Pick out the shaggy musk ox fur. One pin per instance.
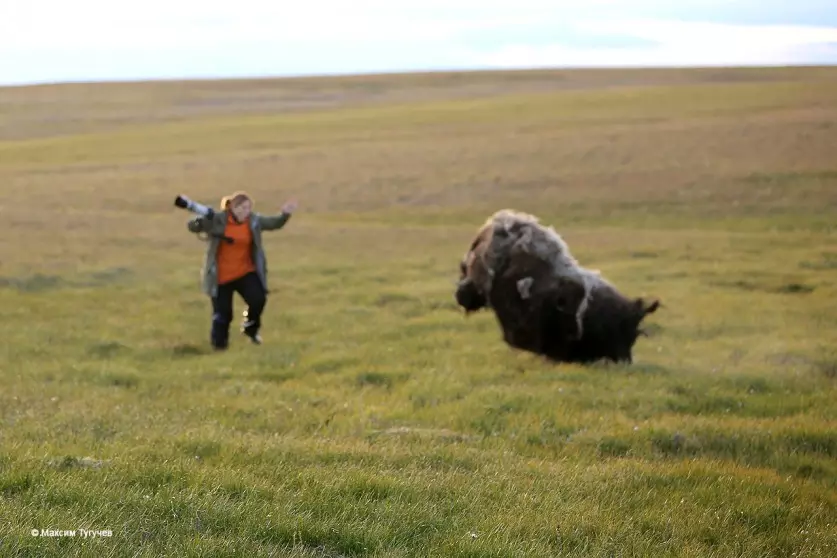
(544, 301)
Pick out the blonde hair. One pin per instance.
(235, 198)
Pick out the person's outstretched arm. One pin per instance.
(275, 222)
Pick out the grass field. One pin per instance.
(376, 419)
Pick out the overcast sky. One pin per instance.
(80, 40)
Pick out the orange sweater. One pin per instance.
(235, 260)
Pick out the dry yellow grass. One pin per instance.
(376, 420)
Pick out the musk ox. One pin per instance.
(545, 302)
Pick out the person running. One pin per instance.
(235, 262)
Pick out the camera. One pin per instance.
(183, 202)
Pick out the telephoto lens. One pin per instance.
(183, 202)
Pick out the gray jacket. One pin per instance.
(214, 226)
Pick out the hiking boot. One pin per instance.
(247, 329)
(255, 338)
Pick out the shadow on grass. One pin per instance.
(803, 453)
(107, 349)
(827, 367)
(379, 379)
(40, 282)
(186, 350)
(828, 261)
(623, 368)
(751, 286)
(127, 381)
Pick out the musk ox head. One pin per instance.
(474, 284)
(544, 301)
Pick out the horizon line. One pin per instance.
(406, 73)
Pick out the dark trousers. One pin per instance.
(252, 291)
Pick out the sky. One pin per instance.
(47, 41)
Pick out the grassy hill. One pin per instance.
(376, 420)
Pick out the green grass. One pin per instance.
(376, 419)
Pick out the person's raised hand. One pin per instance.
(289, 206)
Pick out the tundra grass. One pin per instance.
(376, 419)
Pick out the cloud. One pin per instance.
(56, 40)
(703, 33)
(110, 30)
(676, 43)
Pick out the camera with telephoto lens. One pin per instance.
(183, 202)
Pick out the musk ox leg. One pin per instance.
(557, 330)
(555, 304)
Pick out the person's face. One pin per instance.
(242, 210)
